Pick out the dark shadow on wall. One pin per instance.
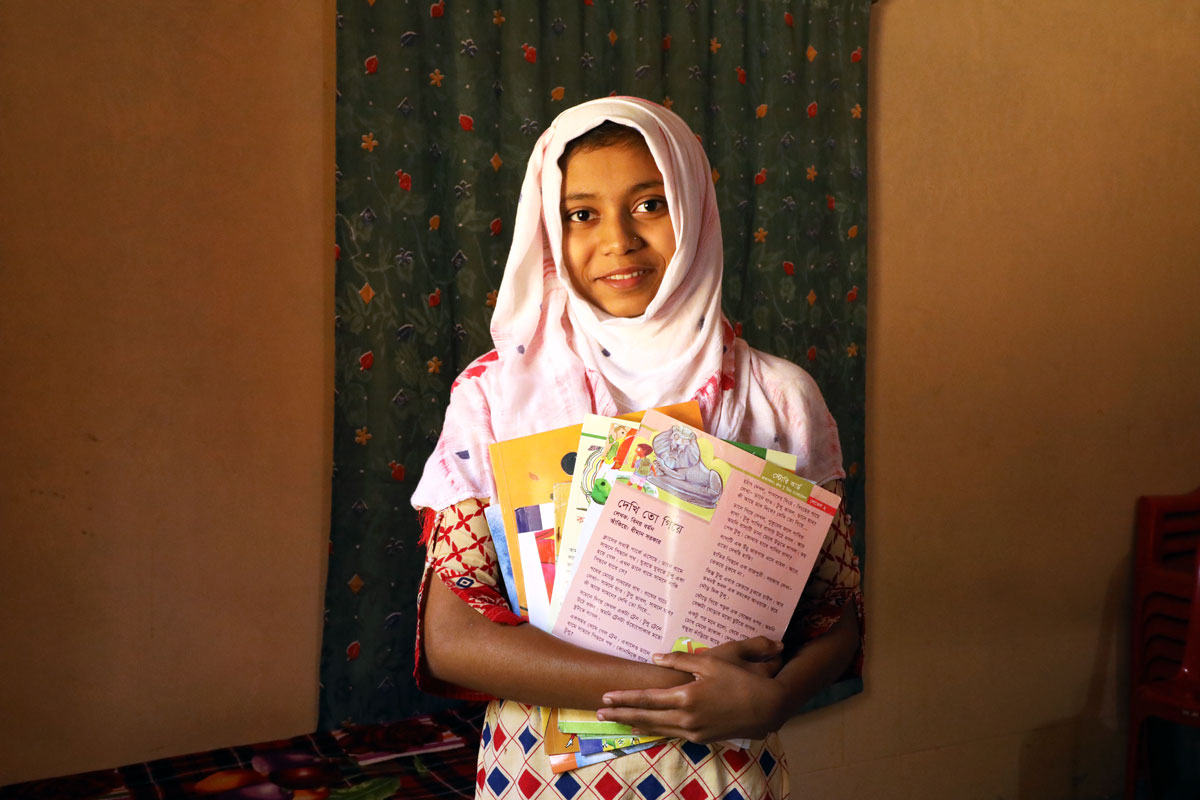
(1082, 757)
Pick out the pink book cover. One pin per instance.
(703, 540)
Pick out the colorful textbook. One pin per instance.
(529, 469)
(603, 446)
(606, 455)
(705, 541)
(669, 538)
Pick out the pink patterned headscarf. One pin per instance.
(558, 357)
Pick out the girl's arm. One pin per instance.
(467, 638)
(520, 662)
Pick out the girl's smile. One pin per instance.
(617, 233)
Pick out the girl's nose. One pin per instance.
(619, 236)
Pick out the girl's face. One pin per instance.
(617, 231)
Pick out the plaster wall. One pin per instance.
(166, 350)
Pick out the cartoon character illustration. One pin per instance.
(686, 644)
(643, 465)
(616, 435)
(600, 491)
(622, 437)
(612, 453)
(592, 466)
(680, 471)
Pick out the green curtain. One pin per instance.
(438, 107)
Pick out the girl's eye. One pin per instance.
(652, 206)
(580, 215)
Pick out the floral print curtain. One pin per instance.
(438, 106)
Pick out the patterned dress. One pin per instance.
(512, 762)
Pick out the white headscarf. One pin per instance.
(558, 357)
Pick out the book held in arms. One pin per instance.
(670, 539)
(704, 541)
(529, 471)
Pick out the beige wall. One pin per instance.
(167, 358)
(166, 189)
(1034, 366)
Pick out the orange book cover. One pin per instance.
(555, 741)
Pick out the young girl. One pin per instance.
(611, 302)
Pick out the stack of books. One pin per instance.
(643, 534)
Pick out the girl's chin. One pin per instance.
(624, 306)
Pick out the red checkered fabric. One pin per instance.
(461, 555)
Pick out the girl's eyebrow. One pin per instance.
(641, 187)
(637, 187)
(578, 196)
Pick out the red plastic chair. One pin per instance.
(1165, 659)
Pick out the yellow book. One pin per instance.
(526, 471)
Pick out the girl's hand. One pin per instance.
(760, 655)
(733, 695)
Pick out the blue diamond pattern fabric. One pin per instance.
(696, 752)
(498, 781)
(733, 794)
(567, 786)
(527, 739)
(767, 762)
(651, 788)
(486, 735)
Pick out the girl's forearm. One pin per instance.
(520, 662)
(818, 664)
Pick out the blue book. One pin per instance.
(495, 521)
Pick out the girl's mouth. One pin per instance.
(625, 279)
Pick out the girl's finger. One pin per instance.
(684, 662)
(760, 648)
(640, 718)
(648, 723)
(658, 699)
(765, 669)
